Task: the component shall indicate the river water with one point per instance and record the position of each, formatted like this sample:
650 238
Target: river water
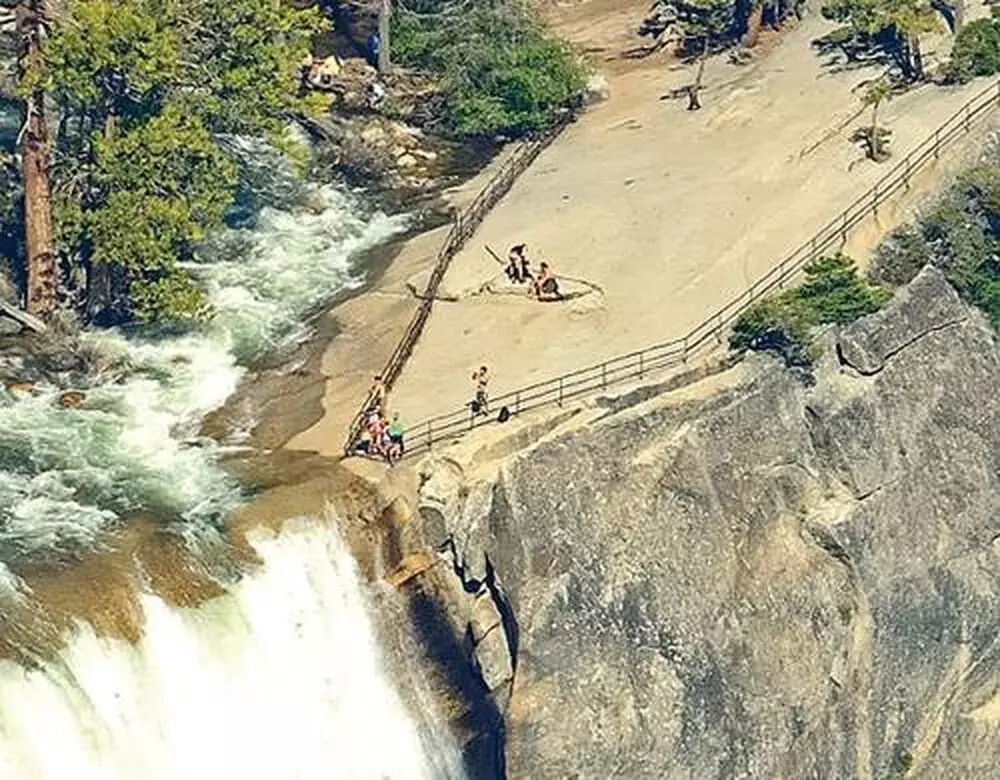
278 679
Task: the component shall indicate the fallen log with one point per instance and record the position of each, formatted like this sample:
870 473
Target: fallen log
27 320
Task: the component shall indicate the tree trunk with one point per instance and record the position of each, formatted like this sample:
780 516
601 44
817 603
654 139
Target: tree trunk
384 58
754 23
39 240
694 103
918 57
875 145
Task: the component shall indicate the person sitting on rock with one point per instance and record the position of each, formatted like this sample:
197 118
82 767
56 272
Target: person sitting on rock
545 286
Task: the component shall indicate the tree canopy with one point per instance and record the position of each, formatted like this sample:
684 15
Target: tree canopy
895 25
143 88
500 71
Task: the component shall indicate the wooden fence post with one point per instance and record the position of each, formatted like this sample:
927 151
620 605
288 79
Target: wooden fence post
937 143
560 392
604 375
640 364
430 434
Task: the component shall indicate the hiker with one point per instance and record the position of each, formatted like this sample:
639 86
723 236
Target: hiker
517 264
364 443
481 401
396 431
545 285
526 275
384 440
377 392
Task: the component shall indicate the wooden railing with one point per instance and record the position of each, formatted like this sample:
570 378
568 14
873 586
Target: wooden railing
678 351
464 225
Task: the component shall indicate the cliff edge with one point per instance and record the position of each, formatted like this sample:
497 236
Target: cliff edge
788 579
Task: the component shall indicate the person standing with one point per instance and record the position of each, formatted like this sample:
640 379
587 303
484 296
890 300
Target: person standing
377 392
396 432
517 264
480 404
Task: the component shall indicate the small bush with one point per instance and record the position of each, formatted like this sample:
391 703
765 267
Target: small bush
500 72
960 235
833 293
976 51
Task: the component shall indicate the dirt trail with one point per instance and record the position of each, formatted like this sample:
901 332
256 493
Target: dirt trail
670 213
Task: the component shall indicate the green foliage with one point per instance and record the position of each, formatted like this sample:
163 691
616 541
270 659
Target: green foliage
873 17
833 293
960 235
892 24
193 185
976 51
499 71
244 80
708 19
142 87
112 53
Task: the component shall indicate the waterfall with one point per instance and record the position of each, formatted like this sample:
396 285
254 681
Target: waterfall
280 678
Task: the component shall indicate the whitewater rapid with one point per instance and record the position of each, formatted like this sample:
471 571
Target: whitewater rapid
280 679
68 474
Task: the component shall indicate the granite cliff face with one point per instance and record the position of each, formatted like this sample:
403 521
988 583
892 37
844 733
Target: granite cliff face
786 579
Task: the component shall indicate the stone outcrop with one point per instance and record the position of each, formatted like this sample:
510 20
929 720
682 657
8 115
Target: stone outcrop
781 580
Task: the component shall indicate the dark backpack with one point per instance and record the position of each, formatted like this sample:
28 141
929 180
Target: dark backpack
504 415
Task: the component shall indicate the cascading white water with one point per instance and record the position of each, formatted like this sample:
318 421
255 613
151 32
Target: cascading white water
65 474
279 680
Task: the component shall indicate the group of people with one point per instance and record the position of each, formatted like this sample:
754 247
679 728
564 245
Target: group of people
381 437
541 286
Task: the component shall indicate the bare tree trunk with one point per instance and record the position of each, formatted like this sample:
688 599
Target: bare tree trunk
384 55
39 240
875 145
694 103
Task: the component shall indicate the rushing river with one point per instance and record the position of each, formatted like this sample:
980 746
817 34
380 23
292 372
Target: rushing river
280 678
67 474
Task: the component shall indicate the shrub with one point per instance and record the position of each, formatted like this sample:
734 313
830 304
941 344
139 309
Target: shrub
960 235
499 70
976 51
833 293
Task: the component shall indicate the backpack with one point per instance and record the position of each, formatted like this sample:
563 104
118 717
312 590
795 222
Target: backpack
504 415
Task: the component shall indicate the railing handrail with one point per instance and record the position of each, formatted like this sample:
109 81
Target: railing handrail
679 350
463 226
